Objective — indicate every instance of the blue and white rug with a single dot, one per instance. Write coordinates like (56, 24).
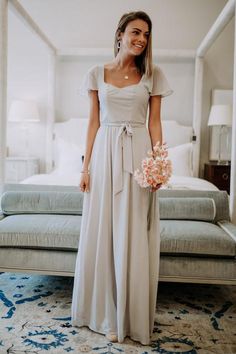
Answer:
(190, 319)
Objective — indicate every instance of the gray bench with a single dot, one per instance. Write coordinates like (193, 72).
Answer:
(40, 229)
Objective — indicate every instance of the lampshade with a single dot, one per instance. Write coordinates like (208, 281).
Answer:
(220, 115)
(23, 111)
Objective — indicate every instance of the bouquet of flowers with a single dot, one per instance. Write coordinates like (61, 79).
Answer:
(156, 168)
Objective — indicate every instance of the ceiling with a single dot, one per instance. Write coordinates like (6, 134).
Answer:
(92, 23)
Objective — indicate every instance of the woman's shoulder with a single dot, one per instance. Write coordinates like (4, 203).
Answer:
(91, 79)
(94, 69)
(160, 84)
(156, 69)
(155, 72)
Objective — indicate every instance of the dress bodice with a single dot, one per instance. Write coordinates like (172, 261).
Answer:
(129, 103)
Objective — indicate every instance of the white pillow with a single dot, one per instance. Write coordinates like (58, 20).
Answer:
(69, 156)
(181, 158)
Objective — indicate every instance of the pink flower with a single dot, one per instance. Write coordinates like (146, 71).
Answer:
(156, 168)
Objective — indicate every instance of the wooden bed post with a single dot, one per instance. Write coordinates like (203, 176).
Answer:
(233, 146)
(197, 113)
(218, 26)
(50, 111)
(3, 86)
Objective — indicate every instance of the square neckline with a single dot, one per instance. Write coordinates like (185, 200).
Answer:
(119, 88)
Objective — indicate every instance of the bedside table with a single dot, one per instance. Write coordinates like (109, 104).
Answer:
(19, 168)
(218, 175)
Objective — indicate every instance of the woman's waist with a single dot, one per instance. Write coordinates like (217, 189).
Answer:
(131, 123)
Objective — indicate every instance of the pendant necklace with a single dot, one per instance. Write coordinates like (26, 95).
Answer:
(126, 77)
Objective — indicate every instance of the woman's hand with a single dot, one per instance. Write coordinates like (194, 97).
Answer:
(154, 189)
(84, 182)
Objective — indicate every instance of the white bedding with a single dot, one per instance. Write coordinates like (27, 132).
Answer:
(182, 182)
(53, 178)
(65, 179)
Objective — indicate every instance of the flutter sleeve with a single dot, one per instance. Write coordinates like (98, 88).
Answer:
(90, 81)
(159, 84)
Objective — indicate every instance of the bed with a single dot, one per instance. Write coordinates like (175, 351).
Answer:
(69, 147)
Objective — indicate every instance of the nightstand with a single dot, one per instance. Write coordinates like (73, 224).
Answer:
(19, 168)
(218, 175)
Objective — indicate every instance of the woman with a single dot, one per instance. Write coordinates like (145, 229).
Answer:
(116, 276)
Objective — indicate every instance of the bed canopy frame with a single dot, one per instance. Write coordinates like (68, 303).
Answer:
(198, 56)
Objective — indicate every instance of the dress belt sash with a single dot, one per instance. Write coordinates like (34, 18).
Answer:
(123, 158)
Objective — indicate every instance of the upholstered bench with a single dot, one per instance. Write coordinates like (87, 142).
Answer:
(40, 229)
(198, 241)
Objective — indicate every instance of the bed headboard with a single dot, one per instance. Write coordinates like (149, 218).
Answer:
(175, 134)
(67, 136)
(74, 130)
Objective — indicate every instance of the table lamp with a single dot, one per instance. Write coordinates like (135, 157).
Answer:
(220, 115)
(24, 111)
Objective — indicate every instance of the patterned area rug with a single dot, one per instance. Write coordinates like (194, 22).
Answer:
(190, 319)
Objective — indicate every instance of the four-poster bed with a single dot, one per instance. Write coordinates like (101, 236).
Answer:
(222, 20)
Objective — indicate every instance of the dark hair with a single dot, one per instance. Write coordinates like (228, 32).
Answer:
(144, 60)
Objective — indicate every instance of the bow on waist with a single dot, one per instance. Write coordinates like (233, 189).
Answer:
(123, 157)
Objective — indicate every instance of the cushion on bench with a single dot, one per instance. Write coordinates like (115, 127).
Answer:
(54, 202)
(29, 202)
(221, 199)
(187, 209)
(40, 231)
(198, 238)
(53, 232)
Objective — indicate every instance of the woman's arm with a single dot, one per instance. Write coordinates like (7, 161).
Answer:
(154, 124)
(154, 121)
(93, 126)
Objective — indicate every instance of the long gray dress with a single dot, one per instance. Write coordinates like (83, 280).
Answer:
(117, 268)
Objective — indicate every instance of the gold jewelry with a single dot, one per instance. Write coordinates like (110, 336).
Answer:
(126, 77)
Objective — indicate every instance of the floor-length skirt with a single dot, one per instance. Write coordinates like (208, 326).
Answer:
(117, 267)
